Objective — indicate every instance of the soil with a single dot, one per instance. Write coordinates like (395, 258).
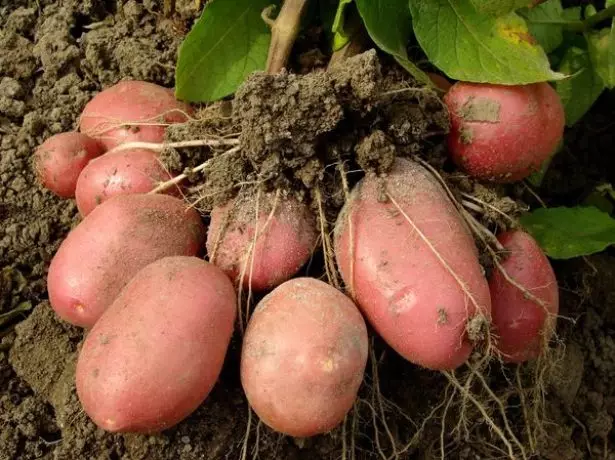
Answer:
(55, 55)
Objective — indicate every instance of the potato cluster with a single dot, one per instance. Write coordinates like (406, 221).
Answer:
(160, 317)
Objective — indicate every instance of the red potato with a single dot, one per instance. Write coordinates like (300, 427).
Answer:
(114, 242)
(503, 133)
(303, 358)
(60, 159)
(412, 269)
(156, 353)
(127, 172)
(523, 326)
(132, 111)
(285, 240)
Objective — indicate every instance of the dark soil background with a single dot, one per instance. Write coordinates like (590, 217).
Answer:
(54, 55)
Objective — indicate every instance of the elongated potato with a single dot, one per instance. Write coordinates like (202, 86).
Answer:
(523, 324)
(156, 353)
(285, 238)
(132, 171)
(412, 266)
(111, 245)
(303, 358)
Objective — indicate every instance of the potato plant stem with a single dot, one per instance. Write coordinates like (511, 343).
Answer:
(284, 32)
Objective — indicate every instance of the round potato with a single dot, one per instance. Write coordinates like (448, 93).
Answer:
(412, 266)
(60, 159)
(285, 239)
(131, 171)
(503, 133)
(114, 242)
(132, 111)
(156, 353)
(303, 358)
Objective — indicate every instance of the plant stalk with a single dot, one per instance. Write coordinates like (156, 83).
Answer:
(284, 32)
(589, 23)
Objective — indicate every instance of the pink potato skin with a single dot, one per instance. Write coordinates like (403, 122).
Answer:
(156, 353)
(280, 250)
(133, 101)
(131, 171)
(402, 287)
(60, 159)
(503, 133)
(518, 321)
(111, 245)
(303, 358)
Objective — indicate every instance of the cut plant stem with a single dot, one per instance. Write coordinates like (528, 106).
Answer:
(284, 32)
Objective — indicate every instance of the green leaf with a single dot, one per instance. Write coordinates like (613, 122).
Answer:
(546, 23)
(602, 53)
(579, 92)
(564, 233)
(500, 7)
(389, 24)
(227, 43)
(475, 47)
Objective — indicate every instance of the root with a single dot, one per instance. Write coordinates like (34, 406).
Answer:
(158, 147)
(483, 411)
(177, 179)
(379, 399)
(488, 205)
(246, 438)
(327, 246)
(111, 123)
(346, 188)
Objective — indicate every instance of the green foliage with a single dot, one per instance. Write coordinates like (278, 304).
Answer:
(471, 46)
(564, 233)
(227, 43)
(546, 23)
(602, 53)
(389, 25)
(499, 7)
(579, 92)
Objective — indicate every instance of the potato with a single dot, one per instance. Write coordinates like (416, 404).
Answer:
(131, 171)
(503, 133)
(60, 159)
(284, 243)
(303, 358)
(156, 353)
(523, 326)
(116, 240)
(132, 111)
(412, 269)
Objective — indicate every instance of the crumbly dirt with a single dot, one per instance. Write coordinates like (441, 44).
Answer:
(55, 55)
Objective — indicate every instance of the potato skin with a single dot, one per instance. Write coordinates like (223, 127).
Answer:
(503, 133)
(280, 250)
(131, 101)
(303, 358)
(60, 159)
(156, 353)
(518, 321)
(131, 171)
(399, 283)
(111, 245)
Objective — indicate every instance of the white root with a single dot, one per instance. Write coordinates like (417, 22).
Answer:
(177, 179)
(158, 147)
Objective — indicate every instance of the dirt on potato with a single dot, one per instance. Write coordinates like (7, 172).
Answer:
(297, 130)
